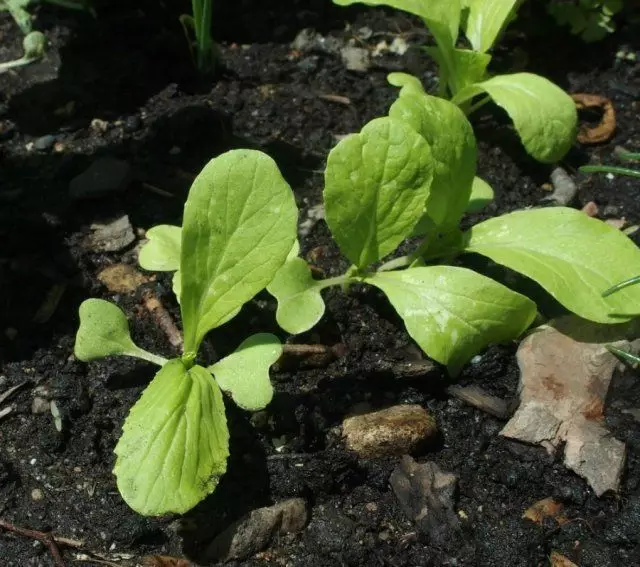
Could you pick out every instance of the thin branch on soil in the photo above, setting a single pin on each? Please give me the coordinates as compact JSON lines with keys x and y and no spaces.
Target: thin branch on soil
{"x":6,"y":395}
{"x":336,"y":98}
{"x":315,"y":356}
{"x":163,"y":319}
{"x":410,"y":369}
{"x":5,"y":411}
{"x":478,"y":398}
{"x":46,"y":539}
{"x":157,"y":190}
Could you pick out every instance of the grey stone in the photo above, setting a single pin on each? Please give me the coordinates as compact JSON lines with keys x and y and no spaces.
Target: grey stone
{"x":40,"y":405}
{"x":355,"y":59}
{"x":104,"y":176}
{"x":254,"y":532}
{"x":426,"y":496}
{"x":111,"y":237}
{"x":44,"y":143}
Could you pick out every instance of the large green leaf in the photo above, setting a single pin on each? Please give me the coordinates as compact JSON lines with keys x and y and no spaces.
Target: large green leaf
{"x":174,"y":443}
{"x":453,"y":147}
{"x":162,"y":252}
{"x":239,"y":225}
{"x":453,"y":313}
{"x":300,"y":305}
{"x":376,"y":185}
{"x":572,"y":256}
{"x":245,"y":372}
{"x":104,"y":331}
{"x":486,"y":20}
{"x":542,"y":113}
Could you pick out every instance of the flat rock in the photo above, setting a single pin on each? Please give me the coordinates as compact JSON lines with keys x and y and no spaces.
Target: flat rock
{"x":105,"y":175}
{"x":254,"y":532}
{"x":392,"y":431}
{"x":426,"y":496}
{"x":111,"y":237}
{"x":565,"y":372}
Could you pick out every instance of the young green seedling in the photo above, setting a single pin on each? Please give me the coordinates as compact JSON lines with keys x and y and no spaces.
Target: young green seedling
{"x":239,"y":226}
{"x":204,"y":50}
{"x":592,"y":20}
{"x":544,"y":115}
{"x":413,"y":174}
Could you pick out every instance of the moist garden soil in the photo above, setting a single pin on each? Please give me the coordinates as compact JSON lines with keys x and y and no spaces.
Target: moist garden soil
{"x":130,"y":69}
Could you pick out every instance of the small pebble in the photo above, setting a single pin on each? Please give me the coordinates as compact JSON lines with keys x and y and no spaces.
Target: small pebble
{"x":44,"y":143}
{"x":40,"y":405}
{"x":37,"y":495}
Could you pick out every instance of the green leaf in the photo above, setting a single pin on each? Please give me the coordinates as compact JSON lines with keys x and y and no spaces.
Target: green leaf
{"x":239,"y":226}
{"x":542,"y":113}
{"x":245,"y":372}
{"x":376,"y":185}
{"x":481,"y":195}
{"x":573,"y":257}
{"x":486,"y":20}
{"x":104,"y":331}
{"x":453,"y":147}
{"x":405,"y":82}
{"x":174,"y":443}
{"x":162,"y":252}
{"x":453,"y":313}
{"x":300,"y":305}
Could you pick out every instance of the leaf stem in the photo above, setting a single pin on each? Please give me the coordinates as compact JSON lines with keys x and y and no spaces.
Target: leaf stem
{"x":400,"y":262}
{"x":344,"y":279}
{"x":148,"y":356}
{"x":484,"y":100}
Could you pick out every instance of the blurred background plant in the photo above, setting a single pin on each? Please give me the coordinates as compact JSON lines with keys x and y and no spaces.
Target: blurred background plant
{"x":592,"y":20}
{"x":197,"y":28}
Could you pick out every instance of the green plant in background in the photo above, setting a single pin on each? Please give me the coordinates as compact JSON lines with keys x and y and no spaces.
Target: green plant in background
{"x":592,"y":20}
{"x":413,"y":174}
{"x":197,"y":27}
{"x":544,"y":115}
{"x":239,"y":226}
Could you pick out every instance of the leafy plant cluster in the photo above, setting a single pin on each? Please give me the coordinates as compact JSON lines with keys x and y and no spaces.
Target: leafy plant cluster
{"x":592,"y":20}
{"x":409,"y":174}
{"x":542,"y":113}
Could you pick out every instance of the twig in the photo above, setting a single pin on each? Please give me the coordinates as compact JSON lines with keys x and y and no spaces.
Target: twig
{"x":478,"y":398}
{"x":4,"y":412}
{"x":6,"y":395}
{"x":314,"y":356}
{"x":157,"y":190}
{"x":45,"y":538}
{"x":163,"y":319}
{"x":335,"y":98}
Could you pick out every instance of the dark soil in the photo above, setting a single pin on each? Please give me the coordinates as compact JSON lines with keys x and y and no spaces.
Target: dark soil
{"x":130,"y":68}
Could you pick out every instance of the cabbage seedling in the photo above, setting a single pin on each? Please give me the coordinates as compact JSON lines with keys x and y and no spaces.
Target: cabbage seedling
{"x":544,"y":115}
{"x":413,"y":174}
{"x":239,"y":226}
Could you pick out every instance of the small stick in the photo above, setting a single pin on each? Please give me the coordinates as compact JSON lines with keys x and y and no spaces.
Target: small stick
{"x":157,"y":190}
{"x":478,"y":398}
{"x":336,"y":98}
{"x":6,"y":395}
{"x":314,"y":356}
{"x":45,"y":538}
{"x":163,"y":319}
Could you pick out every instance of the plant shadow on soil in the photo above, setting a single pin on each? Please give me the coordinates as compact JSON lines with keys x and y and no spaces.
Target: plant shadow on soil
{"x":112,"y":76}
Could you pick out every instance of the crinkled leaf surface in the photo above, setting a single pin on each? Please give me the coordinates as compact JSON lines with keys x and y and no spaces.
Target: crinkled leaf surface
{"x":162,"y":252}
{"x":245,"y":372}
{"x":453,"y":147}
{"x":239,"y":225}
{"x":405,"y":82}
{"x":453,"y":313}
{"x":542,"y":113}
{"x":300,"y":305}
{"x":104,"y":331}
{"x":376,"y":185}
{"x":481,"y":195}
{"x":174,"y":443}
{"x":572,"y":256}
{"x":485,"y":21}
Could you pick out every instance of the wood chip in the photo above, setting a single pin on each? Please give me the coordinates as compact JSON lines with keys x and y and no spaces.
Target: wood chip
{"x":545,"y":508}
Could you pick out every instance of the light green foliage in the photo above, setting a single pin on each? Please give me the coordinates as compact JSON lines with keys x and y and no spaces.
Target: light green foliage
{"x":486,"y":20}
{"x":162,"y":252}
{"x":376,"y":185}
{"x":592,"y":20}
{"x":453,"y":313}
{"x":174,"y":443}
{"x":300,"y":305}
{"x":481,"y":195}
{"x":245,"y":372}
{"x":453,"y":149}
{"x":543,"y":114}
{"x":104,"y":331}
{"x":239,"y":225}
{"x":572,"y":256}
{"x":239,"y":228}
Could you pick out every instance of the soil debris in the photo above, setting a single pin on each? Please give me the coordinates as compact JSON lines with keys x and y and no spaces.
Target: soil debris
{"x":122,"y":278}
{"x":607,"y":126}
{"x":543,"y":509}
{"x":111,"y":237}
{"x":564,"y":188}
